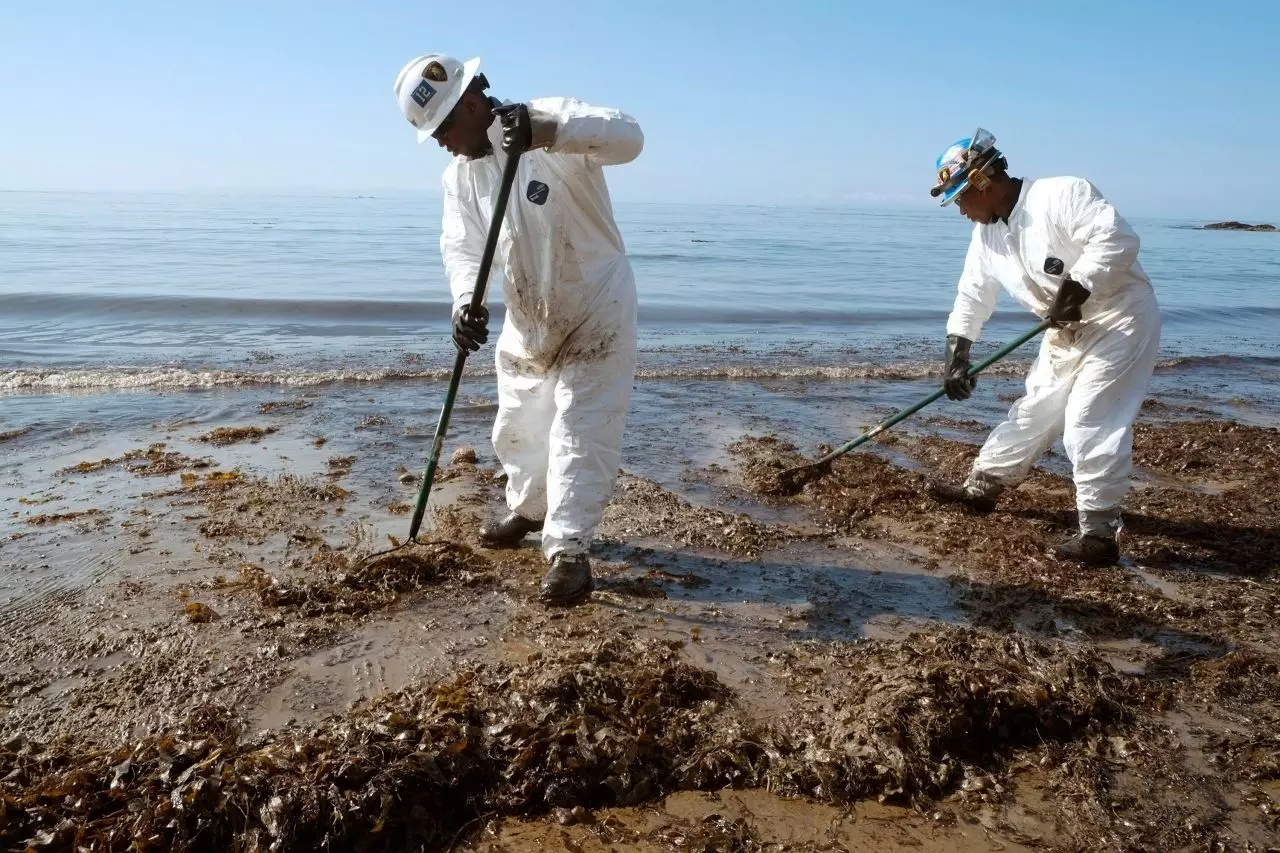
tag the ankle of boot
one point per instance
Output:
(1101, 523)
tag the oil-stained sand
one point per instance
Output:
(912, 673)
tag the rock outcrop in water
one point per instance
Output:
(1236, 226)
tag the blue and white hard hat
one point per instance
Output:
(966, 161)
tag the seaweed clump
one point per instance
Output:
(914, 720)
(336, 586)
(643, 508)
(1221, 449)
(273, 406)
(772, 468)
(58, 518)
(223, 436)
(154, 461)
(617, 722)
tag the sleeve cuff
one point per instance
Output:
(961, 329)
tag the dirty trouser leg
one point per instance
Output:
(1110, 387)
(1032, 425)
(526, 407)
(591, 397)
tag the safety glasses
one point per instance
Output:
(446, 125)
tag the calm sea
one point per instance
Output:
(104, 293)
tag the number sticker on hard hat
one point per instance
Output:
(423, 93)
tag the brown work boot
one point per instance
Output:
(1089, 550)
(963, 494)
(508, 532)
(567, 581)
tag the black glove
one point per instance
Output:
(470, 332)
(957, 385)
(524, 128)
(517, 128)
(1066, 305)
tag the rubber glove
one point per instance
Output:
(524, 128)
(1066, 304)
(957, 385)
(469, 332)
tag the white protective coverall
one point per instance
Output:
(567, 352)
(1090, 378)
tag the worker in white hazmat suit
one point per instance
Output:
(566, 354)
(1059, 248)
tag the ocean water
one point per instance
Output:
(106, 293)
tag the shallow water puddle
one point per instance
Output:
(840, 585)
(1169, 589)
(733, 820)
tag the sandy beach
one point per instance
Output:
(853, 665)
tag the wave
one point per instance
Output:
(162, 378)
(125, 378)
(1228, 361)
(903, 371)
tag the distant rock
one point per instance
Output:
(1237, 226)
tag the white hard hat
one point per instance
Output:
(429, 87)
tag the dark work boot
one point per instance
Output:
(963, 494)
(567, 581)
(508, 532)
(1089, 550)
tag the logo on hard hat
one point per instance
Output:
(435, 72)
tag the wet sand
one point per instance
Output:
(195, 650)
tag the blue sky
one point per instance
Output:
(1172, 108)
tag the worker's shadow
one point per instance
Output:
(851, 597)
(808, 600)
(1206, 547)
